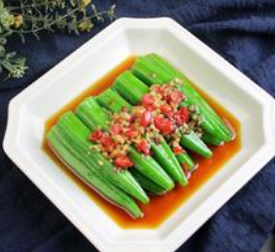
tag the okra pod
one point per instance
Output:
(90, 112)
(154, 69)
(185, 159)
(148, 184)
(167, 159)
(194, 143)
(71, 128)
(161, 154)
(130, 87)
(112, 101)
(78, 165)
(212, 140)
(133, 89)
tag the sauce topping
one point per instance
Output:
(158, 116)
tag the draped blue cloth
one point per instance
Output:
(243, 32)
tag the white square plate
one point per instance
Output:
(28, 112)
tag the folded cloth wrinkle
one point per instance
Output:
(263, 12)
(237, 49)
(263, 25)
(198, 10)
(264, 73)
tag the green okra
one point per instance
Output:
(194, 143)
(161, 154)
(212, 140)
(75, 132)
(154, 69)
(184, 158)
(133, 89)
(89, 107)
(91, 113)
(112, 101)
(78, 163)
(167, 159)
(130, 87)
(148, 184)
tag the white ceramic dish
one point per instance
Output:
(249, 103)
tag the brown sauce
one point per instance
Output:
(159, 208)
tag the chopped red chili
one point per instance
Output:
(184, 113)
(122, 161)
(106, 140)
(166, 110)
(181, 116)
(176, 96)
(163, 124)
(147, 101)
(159, 90)
(131, 133)
(144, 147)
(178, 150)
(96, 134)
(115, 129)
(146, 118)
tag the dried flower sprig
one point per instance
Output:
(34, 16)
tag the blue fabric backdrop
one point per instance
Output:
(243, 32)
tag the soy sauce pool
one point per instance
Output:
(160, 207)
